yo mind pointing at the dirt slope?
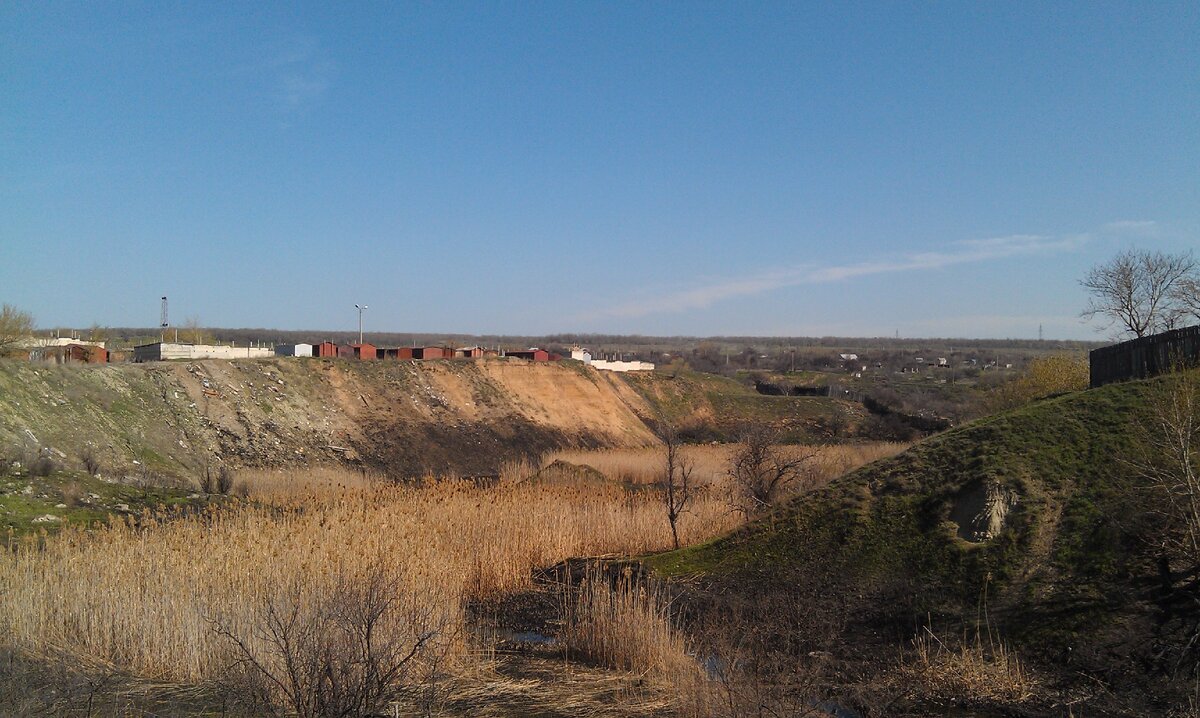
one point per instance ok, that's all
(401, 417)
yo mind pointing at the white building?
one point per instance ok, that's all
(585, 356)
(164, 351)
(622, 365)
(293, 350)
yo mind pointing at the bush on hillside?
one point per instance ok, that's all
(1045, 377)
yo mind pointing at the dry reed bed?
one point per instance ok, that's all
(146, 599)
(711, 462)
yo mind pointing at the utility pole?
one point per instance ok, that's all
(360, 311)
(162, 321)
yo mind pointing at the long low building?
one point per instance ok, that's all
(622, 365)
(164, 351)
(583, 355)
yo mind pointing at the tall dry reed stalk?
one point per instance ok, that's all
(270, 484)
(619, 622)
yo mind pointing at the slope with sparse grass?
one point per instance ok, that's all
(170, 419)
(1027, 523)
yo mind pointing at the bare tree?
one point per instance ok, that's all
(676, 481)
(1166, 457)
(98, 333)
(762, 472)
(1166, 466)
(1136, 290)
(1187, 296)
(15, 325)
(194, 333)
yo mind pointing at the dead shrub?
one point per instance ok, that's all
(42, 466)
(350, 650)
(217, 481)
(90, 458)
(72, 493)
(208, 480)
(761, 472)
(225, 480)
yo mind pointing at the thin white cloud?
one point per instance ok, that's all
(1130, 226)
(964, 252)
(294, 70)
(303, 85)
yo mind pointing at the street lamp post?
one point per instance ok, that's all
(360, 311)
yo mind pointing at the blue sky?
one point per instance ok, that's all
(936, 169)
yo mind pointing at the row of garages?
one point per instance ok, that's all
(369, 352)
(166, 351)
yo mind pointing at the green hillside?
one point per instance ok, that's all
(1070, 572)
(712, 407)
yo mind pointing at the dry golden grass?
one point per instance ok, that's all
(624, 624)
(643, 465)
(145, 598)
(274, 484)
(968, 670)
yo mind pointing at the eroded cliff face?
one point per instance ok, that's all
(400, 417)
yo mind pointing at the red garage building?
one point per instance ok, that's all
(365, 352)
(530, 354)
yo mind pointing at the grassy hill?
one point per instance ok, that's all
(1028, 521)
(712, 407)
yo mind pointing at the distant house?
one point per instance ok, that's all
(325, 349)
(849, 357)
(468, 352)
(293, 350)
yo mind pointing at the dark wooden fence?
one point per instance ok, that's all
(1146, 356)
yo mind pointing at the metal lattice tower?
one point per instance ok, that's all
(163, 318)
